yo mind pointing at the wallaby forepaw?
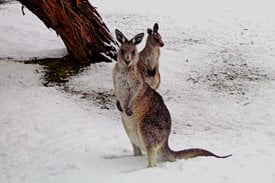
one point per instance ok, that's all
(129, 112)
(119, 106)
(151, 72)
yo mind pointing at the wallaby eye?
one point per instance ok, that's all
(133, 52)
(122, 52)
(157, 39)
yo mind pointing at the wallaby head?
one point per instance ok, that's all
(154, 37)
(128, 54)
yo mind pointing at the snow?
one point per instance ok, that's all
(217, 79)
(26, 36)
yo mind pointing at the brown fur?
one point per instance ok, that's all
(149, 58)
(145, 117)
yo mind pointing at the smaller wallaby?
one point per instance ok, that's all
(149, 57)
(145, 117)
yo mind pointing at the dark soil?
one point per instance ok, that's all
(58, 71)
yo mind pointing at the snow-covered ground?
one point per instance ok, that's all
(218, 81)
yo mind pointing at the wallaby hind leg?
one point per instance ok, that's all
(152, 157)
(137, 150)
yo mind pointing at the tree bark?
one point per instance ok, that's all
(79, 25)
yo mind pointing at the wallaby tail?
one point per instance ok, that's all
(171, 155)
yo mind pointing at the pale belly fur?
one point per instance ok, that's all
(130, 126)
(123, 88)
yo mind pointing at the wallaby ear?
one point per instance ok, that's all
(120, 37)
(156, 27)
(137, 39)
(149, 31)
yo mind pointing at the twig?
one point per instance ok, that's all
(22, 9)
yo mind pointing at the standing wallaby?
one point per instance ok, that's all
(149, 57)
(145, 117)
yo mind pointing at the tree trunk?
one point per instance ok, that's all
(79, 25)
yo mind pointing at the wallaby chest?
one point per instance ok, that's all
(122, 87)
(150, 57)
(127, 81)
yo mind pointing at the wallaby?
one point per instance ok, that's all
(149, 57)
(145, 117)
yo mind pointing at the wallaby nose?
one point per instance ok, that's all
(127, 59)
(161, 44)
